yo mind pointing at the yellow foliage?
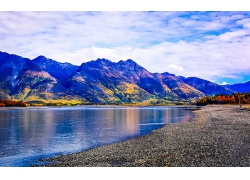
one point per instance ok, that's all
(129, 88)
(26, 91)
(33, 98)
(106, 90)
(58, 102)
(64, 101)
(47, 93)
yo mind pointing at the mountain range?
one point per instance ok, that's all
(239, 87)
(98, 81)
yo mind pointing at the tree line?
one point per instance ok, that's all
(8, 103)
(236, 98)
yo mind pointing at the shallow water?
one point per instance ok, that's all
(28, 134)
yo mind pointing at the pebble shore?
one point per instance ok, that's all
(217, 136)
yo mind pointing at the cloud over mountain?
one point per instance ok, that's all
(204, 44)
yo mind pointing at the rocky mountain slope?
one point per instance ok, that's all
(22, 79)
(96, 81)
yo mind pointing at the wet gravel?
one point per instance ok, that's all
(217, 136)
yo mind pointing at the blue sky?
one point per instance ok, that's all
(210, 45)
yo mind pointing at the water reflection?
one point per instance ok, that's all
(31, 133)
(132, 121)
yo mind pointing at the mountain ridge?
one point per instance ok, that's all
(96, 81)
(239, 87)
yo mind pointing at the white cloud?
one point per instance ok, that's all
(207, 26)
(175, 69)
(223, 83)
(3, 32)
(228, 36)
(204, 44)
(208, 60)
(247, 25)
(242, 21)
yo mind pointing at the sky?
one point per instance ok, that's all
(213, 45)
(177, 38)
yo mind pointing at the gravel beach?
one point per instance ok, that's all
(218, 135)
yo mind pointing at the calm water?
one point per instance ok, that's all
(28, 134)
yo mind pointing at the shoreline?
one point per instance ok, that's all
(217, 135)
(189, 107)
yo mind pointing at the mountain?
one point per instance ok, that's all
(207, 87)
(178, 86)
(22, 79)
(97, 81)
(60, 71)
(126, 81)
(10, 66)
(240, 87)
(106, 81)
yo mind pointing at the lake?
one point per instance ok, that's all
(29, 134)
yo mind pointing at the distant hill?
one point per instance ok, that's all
(240, 87)
(207, 87)
(96, 81)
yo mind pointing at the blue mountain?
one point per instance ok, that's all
(97, 81)
(207, 87)
(60, 71)
(23, 79)
(239, 87)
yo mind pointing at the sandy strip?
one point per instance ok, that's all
(216, 136)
